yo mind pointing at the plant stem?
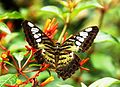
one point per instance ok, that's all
(101, 19)
(14, 61)
(27, 61)
(64, 28)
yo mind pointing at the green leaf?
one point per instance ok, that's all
(34, 65)
(24, 12)
(8, 79)
(9, 63)
(84, 5)
(102, 36)
(103, 62)
(4, 28)
(11, 15)
(104, 82)
(28, 85)
(17, 46)
(64, 3)
(43, 75)
(9, 37)
(53, 10)
(1, 59)
(19, 56)
(64, 85)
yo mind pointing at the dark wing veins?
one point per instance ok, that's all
(82, 40)
(68, 61)
(37, 39)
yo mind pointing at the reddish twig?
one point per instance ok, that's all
(82, 63)
(14, 61)
(31, 55)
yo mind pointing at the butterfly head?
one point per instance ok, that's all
(57, 44)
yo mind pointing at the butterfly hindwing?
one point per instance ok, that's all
(34, 36)
(67, 64)
(82, 40)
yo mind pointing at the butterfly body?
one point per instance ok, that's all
(61, 57)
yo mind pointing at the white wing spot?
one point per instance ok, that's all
(88, 29)
(30, 24)
(78, 43)
(71, 55)
(80, 38)
(38, 40)
(36, 36)
(71, 39)
(39, 34)
(34, 30)
(84, 34)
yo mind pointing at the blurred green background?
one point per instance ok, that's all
(105, 52)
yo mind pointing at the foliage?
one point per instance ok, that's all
(17, 65)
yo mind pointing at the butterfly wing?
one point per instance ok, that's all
(82, 40)
(68, 61)
(38, 40)
(67, 65)
(34, 36)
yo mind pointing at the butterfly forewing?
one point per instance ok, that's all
(82, 40)
(34, 36)
(39, 40)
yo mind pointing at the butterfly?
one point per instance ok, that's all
(61, 57)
